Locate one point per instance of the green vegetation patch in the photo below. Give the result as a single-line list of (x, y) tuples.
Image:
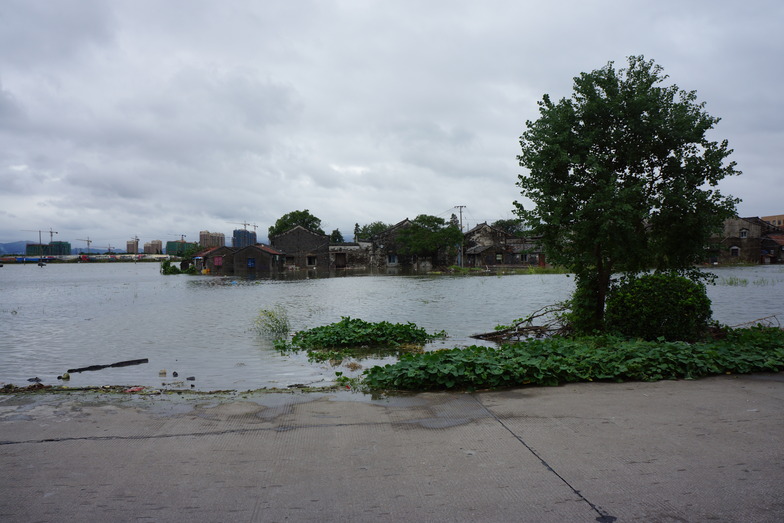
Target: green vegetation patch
[(358, 338), (559, 360)]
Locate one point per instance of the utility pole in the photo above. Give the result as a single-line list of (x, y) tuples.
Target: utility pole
[(460, 209)]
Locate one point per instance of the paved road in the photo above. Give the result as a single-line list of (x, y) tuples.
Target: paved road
[(707, 450)]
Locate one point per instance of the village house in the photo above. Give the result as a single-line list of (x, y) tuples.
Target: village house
[(386, 253), (748, 240), (257, 260), (487, 246), (385, 250), (349, 255), (218, 261), (303, 249)]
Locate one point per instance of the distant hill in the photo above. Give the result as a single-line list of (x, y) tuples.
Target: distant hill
[(13, 247)]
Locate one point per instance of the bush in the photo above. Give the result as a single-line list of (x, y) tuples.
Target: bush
[(657, 306)]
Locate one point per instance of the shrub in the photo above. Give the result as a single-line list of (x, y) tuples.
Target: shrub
[(657, 306)]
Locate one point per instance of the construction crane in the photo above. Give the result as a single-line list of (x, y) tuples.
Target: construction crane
[(88, 240), (40, 241), (244, 224)]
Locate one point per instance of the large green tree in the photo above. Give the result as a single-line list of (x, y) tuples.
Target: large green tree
[(622, 177), (336, 236), (515, 227), (429, 236), (370, 229), (294, 218)]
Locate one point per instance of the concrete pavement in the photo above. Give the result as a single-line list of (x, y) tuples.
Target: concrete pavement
[(710, 449)]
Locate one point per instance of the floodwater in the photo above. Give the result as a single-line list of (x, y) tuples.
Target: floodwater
[(66, 316)]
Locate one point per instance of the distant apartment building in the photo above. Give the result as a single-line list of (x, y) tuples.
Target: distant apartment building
[(132, 246), (153, 247), (209, 239), (777, 220), (52, 249), (59, 248), (178, 247), (35, 249), (243, 238)]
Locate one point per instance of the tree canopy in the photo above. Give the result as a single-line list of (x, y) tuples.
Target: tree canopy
[(294, 218), (515, 227), (429, 235), (623, 178), (370, 229), (336, 236)]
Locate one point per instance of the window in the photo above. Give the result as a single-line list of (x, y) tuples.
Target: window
[(311, 260), (251, 263), (734, 252), (499, 258), (218, 261), (744, 233), (392, 259)]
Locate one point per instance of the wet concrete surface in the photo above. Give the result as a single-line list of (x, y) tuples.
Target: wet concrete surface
[(706, 450)]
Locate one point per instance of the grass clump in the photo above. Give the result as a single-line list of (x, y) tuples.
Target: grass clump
[(273, 322), (560, 360), (358, 338)]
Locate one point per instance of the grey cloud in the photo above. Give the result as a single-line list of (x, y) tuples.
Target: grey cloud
[(40, 33), (190, 114)]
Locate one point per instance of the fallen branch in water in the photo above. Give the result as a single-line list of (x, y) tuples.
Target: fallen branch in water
[(767, 321), (525, 328), (118, 364)]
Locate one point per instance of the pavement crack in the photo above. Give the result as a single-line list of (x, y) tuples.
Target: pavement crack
[(602, 518), (140, 437)]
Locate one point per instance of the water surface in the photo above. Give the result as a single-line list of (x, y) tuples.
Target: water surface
[(74, 315)]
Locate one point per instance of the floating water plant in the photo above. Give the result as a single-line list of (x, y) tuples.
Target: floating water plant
[(353, 337), (555, 361)]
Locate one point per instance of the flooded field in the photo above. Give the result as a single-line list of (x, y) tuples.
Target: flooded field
[(66, 316)]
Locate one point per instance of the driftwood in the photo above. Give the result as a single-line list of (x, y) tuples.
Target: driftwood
[(767, 321), (525, 328), (118, 364)]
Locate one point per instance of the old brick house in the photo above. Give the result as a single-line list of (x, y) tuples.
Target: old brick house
[(350, 255), (303, 249), (748, 240), (489, 246), (257, 260), (218, 261)]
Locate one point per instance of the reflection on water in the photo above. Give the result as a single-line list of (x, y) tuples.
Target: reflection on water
[(77, 315)]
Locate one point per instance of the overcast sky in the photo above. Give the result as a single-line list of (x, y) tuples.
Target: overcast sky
[(162, 118)]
